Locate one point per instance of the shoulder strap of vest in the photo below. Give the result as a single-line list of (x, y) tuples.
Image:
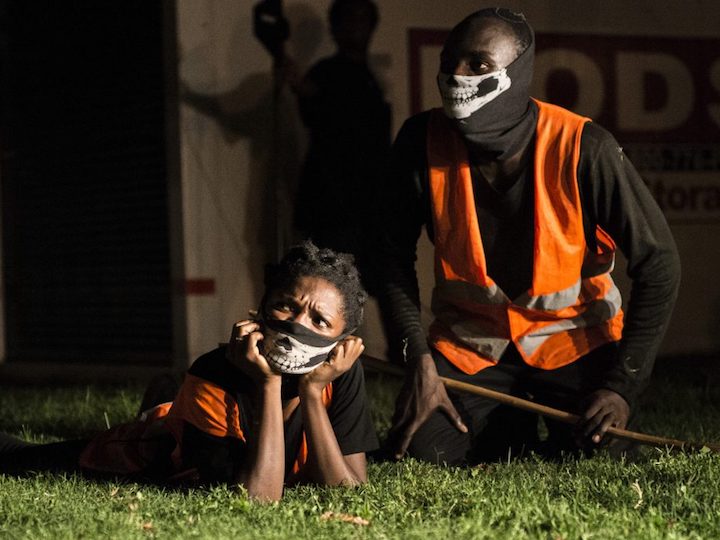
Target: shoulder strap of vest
[(559, 232)]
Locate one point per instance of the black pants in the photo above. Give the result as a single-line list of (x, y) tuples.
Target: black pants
[(497, 431), (18, 456)]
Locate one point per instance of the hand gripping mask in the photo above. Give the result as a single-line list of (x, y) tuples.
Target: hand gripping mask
[(294, 349)]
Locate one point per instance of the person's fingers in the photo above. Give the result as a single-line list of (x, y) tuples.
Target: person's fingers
[(592, 410), (616, 418), (597, 427), (239, 333), (245, 328), (401, 412), (397, 427), (346, 352), (448, 408), (608, 421), (451, 412), (351, 343), (406, 437), (354, 349), (398, 439), (251, 343), (342, 351), (590, 425), (406, 434), (336, 353)]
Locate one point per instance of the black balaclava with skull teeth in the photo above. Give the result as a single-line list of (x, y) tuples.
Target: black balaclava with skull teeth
[(494, 111)]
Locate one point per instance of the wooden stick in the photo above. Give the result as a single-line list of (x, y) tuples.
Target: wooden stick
[(382, 366)]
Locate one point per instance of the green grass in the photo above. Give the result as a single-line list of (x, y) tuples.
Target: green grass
[(660, 494)]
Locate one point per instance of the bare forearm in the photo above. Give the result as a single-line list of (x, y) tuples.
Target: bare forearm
[(327, 464), (265, 471)]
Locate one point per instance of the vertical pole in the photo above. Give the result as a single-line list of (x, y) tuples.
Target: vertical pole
[(176, 237), (271, 29)]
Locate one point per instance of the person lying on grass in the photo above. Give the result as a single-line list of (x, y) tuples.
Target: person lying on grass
[(283, 402)]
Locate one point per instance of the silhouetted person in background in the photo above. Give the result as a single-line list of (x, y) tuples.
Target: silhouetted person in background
[(349, 128), (348, 121)]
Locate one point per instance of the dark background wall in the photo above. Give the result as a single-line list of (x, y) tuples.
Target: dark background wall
[(84, 187)]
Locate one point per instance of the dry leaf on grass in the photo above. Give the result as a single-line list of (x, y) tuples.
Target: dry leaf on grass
[(347, 518)]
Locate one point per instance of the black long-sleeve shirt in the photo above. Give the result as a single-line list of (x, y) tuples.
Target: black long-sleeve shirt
[(613, 196)]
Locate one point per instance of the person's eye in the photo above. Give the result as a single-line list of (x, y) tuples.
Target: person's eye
[(283, 306), (321, 323), (479, 66)]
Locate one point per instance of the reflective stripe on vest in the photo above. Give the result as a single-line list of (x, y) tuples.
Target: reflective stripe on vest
[(572, 306)]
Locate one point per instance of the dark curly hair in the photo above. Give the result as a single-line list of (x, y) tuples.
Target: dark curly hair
[(308, 260)]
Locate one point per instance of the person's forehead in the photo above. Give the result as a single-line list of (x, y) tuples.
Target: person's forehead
[(318, 287), (479, 34)]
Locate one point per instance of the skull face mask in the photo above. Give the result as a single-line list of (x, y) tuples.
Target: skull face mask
[(463, 95), (293, 349), (493, 112)]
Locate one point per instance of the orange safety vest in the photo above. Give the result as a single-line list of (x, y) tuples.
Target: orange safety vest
[(210, 409), (129, 448), (572, 306)]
